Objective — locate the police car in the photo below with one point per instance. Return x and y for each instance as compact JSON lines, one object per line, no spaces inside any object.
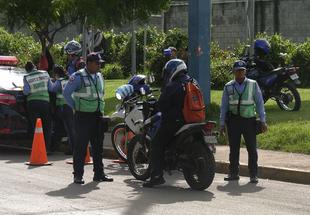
{"x":13,"y":118}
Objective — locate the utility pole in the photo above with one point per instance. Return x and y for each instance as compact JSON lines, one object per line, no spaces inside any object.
{"x":250,"y":11}
{"x":133,"y":48}
{"x":199,"y":31}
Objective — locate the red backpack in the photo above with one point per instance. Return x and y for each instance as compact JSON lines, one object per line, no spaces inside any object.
{"x":194,"y":109}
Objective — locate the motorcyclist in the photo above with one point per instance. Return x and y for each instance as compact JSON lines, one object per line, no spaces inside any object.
{"x":170,"y":104}
{"x":261,"y":51}
{"x":73,"y":49}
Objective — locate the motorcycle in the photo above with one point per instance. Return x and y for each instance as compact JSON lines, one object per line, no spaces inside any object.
{"x":131,"y":115}
{"x":278,"y":84}
{"x":191,"y":151}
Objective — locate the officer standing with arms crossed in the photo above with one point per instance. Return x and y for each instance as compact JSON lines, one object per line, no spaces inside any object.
{"x":242,"y":98}
{"x":63,"y":111}
{"x":37,"y":84}
{"x":87,"y":88}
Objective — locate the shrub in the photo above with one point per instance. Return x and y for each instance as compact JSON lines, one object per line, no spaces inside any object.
{"x":112,"y":71}
{"x":301,"y":58}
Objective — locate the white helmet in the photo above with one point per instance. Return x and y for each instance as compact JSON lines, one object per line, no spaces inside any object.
{"x":73,"y":48}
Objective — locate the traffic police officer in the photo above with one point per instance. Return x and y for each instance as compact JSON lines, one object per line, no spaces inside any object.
{"x":37,"y":85}
{"x":242,"y":98}
{"x":63,"y":111}
{"x":87,"y":88}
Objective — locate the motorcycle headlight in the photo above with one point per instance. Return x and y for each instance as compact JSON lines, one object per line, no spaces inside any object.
{"x":118,"y":96}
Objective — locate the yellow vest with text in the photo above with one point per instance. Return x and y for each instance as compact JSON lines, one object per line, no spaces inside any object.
{"x":246,"y":108}
{"x":89,"y":98}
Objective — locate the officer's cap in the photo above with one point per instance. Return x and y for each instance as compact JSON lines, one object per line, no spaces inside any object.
{"x":239,"y":65}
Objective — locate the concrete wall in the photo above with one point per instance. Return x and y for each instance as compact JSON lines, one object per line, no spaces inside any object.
{"x":288,"y":17}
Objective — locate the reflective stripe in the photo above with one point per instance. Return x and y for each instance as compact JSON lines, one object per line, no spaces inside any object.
{"x":39,"y":130}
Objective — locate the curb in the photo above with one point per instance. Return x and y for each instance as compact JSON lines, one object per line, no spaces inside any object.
{"x":265,"y":172}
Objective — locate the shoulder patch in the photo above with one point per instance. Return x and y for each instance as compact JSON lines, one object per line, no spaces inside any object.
{"x":72,"y":77}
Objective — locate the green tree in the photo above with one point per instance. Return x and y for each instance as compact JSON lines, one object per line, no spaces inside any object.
{"x":47,"y":17}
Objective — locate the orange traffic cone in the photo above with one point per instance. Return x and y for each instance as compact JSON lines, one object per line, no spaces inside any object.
{"x":38,"y":152}
{"x":88,"y":160}
{"x":87,"y":157}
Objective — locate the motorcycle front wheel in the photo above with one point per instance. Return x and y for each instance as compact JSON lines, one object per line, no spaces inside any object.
{"x":120,"y":137}
{"x":201,"y":173}
{"x":288,"y":97}
{"x":139,"y":157}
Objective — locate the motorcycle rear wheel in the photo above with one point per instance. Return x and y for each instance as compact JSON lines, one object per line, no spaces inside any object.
{"x":138,"y":157}
{"x":201,"y":176}
{"x":288,"y":98}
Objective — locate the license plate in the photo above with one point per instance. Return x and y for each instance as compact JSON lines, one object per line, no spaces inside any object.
{"x":210,"y":139}
{"x":294,"y":76}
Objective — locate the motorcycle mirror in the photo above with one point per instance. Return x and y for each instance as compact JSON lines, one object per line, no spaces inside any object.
{"x":142,"y":91}
{"x":118,"y":96}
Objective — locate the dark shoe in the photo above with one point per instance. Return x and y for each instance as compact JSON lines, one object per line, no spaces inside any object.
{"x":253,"y":179}
{"x":154,"y":181}
{"x":230,"y":177}
{"x":104,"y":177}
{"x":78,"y":180}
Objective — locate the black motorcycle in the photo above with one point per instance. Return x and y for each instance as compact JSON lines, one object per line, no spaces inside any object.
{"x":191,"y":151}
{"x":278,"y":84}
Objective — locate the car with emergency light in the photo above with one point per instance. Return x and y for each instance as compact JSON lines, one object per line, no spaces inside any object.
{"x":13,"y":117}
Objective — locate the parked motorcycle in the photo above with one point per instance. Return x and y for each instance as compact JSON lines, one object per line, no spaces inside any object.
{"x":191,"y":151}
{"x":278,"y":84}
{"x":131,"y":115}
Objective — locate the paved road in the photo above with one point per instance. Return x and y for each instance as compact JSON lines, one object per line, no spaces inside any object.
{"x":48,"y":190}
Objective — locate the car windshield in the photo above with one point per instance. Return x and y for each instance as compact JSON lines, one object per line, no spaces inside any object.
{"x":11,"y":78}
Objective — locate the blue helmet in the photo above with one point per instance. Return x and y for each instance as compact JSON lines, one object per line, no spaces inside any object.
{"x":262,"y":45}
{"x":137,"y":80}
{"x":172,"y":69}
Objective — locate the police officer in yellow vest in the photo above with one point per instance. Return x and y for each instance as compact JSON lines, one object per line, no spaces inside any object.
{"x":37,"y":84}
{"x":84,"y":93}
{"x":63,"y":111}
{"x":242,"y":99}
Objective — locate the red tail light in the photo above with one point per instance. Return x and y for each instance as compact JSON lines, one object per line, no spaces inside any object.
{"x":7,"y":99}
{"x":209,"y":126}
{"x":5,"y":131}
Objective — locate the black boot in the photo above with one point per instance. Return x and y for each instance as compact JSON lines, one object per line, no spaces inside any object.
{"x":154,"y":181}
{"x":232,"y":177}
{"x":78,"y":180}
{"x":102,"y":177}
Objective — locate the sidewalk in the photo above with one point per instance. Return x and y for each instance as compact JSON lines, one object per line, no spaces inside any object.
{"x":274,"y":165}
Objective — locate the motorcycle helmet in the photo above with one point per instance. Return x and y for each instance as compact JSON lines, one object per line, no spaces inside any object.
{"x":137,"y":80}
{"x":73,"y":48}
{"x":173,"y":68}
{"x":261,"y":46}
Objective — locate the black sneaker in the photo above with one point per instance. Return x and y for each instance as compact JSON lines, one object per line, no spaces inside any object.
{"x":230,"y":177}
{"x":103,"y":177}
{"x":154,"y":181}
{"x":78,"y":180}
{"x":253,"y":179}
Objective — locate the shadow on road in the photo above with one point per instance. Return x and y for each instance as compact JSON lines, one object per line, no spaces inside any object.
{"x":74,"y":191}
{"x":118,"y":169}
{"x":233,"y":188}
{"x":163,"y":194}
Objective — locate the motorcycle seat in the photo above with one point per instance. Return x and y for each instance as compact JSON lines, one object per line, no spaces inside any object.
{"x":188,"y":126}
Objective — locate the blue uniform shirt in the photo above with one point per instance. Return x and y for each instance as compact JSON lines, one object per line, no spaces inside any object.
{"x":26,"y":88}
{"x":71,"y":67}
{"x":258,"y":98}
{"x":73,"y":85}
{"x":56,"y":87}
